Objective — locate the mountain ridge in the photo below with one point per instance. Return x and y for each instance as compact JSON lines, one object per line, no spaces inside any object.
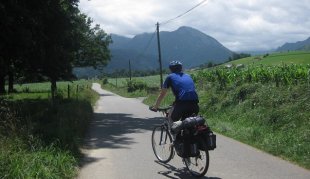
{"x":299,"y":45}
{"x":186,"y":44}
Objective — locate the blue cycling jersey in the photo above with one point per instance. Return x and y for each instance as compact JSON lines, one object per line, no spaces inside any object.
{"x":182,"y":86}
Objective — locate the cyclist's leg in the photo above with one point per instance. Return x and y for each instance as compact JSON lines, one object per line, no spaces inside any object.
{"x":175,"y":115}
{"x":190,"y":109}
{"x":176,"y":112}
{"x":169,"y":117}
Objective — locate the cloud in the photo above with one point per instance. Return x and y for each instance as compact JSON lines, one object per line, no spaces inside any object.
{"x":237,"y":24}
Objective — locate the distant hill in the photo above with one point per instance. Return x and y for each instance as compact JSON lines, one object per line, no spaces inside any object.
{"x":186,"y":44}
{"x":301,"y":45}
{"x":118,"y":41}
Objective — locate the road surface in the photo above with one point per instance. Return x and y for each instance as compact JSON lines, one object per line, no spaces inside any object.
{"x":119,"y":147}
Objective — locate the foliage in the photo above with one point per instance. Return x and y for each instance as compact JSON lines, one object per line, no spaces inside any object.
{"x":94,"y":46}
{"x":32,"y":159}
{"x":265,"y":106}
{"x":43,"y":40}
{"x":274,"y":119}
{"x":105,"y":81}
{"x":236,"y":56}
{"x":280,"y":75}
{"x":43,"y":134}
{"x":134,"y":85}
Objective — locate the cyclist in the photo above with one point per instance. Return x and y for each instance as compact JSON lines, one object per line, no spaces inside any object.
{"x":183,"y":88}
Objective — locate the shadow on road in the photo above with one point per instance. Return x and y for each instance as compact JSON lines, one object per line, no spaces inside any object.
{"x":178,"y":172}
{"x":108,"y":130}
{"x":106,"y":94}
{"x":87,"y":159}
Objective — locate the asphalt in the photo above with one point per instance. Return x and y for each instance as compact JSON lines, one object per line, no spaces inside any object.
{"x":118,"y":146}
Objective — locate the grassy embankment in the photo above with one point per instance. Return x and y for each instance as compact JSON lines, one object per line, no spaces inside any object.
{"x":271,"y":114}
{"x":40,"y":138}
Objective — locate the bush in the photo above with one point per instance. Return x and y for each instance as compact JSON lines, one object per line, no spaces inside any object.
{"x":105,"y":81}
{"x":134,"y":85}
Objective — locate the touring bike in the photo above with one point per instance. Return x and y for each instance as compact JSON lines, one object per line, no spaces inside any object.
{"x":191,"y":139}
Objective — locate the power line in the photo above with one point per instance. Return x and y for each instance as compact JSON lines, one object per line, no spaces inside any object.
{"x":168,"y":21}
{"x":146,"y":47}
{"x":163,"y":23}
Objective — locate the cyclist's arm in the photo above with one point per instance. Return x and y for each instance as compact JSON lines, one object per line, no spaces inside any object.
{"x":161,"y":96}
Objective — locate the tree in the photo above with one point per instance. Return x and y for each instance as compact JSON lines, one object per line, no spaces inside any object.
{"x":15,"y":38}
{"x":44,"y":39}
{"x":236,"y":56}
{"x":94,"y":47}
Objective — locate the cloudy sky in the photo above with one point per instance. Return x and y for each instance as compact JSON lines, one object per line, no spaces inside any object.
{"x":240,"y":25}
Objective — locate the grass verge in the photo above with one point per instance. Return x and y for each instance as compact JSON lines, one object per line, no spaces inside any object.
{"x":273,"y":119}
{"x":40,"y":138}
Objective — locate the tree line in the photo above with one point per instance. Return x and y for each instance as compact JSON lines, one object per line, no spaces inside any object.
{"x":44,"y":40}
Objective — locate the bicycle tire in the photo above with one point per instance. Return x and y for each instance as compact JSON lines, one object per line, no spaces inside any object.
{"x":162,"y":142}
{"x":202,"y":159}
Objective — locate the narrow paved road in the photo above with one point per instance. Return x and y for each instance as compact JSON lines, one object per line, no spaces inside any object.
{"x":119,"y":147}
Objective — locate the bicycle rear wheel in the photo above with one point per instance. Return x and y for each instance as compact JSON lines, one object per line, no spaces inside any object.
{"x":162,"y":144}
{"x":198,"y":166}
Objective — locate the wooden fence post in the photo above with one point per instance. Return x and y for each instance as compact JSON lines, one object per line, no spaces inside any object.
{"x":68,"y":91}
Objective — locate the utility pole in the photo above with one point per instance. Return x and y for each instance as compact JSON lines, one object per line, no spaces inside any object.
{"x":129,"y":71}
{"x":159,"y":56}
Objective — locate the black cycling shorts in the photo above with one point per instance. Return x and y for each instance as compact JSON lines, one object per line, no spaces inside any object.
{"x":184,"y":109}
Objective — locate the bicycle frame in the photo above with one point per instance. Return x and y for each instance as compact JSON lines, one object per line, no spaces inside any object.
{"x":164,"y":134}
{"x":163,"y":127}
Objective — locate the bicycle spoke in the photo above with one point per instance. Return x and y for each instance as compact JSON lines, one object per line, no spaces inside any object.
{"x":161,"y":143}
{"x":198,"y":166}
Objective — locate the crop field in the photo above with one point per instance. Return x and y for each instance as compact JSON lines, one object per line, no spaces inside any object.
{"x":295,"y":57}
{"x":284,"y":74}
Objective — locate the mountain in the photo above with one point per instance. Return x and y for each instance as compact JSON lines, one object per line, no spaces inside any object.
{"x":185,"y":44}
{"x":301,"y":45}
{"x":118,"y":41}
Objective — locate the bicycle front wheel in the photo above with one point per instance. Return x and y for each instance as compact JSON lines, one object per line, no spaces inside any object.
{"x":198,"y":166}
{"x":162,"y":144}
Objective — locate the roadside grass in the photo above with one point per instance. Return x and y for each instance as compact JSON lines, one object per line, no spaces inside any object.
{"x":40,"y":138}
{"x":20,"y":159}
{"x":274,"y":119}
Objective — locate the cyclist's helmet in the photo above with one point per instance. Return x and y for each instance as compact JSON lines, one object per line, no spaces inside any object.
{"x":175,"y":66}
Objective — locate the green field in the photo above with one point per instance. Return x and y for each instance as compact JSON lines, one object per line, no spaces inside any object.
{"x":42,"y":90}
{"x":40,"y":137}
{"x":151,"y":81}
{"x":295,"y":57}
